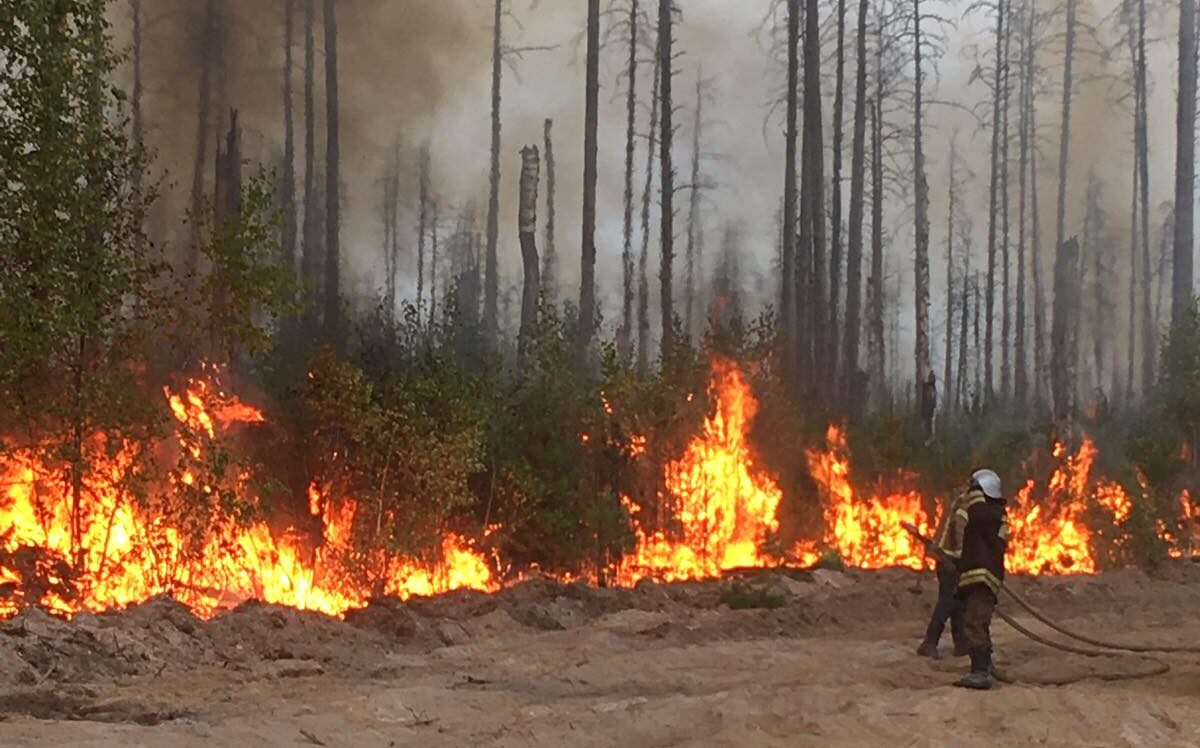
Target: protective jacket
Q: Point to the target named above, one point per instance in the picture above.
(985, 539)
(949, 536)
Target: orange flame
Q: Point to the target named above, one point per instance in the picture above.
(127, 552)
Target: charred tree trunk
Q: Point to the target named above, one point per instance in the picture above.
(643, 301)
(227, 210)
(693, 236)
(310, 261)
(527, 230)
(812, 206)
(787, 299)
(994, 204)
(549, 255)
(1185, 166)
(965, 301)
(1064, 149)
(1065, 330)
(665, 31)
(1021, 380)
(835, 258)
(138, 126)
(422, 225)
(203, 105)
(333, 298)
(433, 262)
(288, 229)
(491, 312)
(1035, 228)
(948, 371)
(921, 262)
(625, 336)
(854, 256)
(876, 355)
(1005, 244)
(587, 275)
(1149, 334)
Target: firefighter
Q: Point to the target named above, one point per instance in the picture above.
(949, 550)
(981, 571)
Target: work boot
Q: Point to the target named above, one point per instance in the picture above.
(929, 649)
(979, 681)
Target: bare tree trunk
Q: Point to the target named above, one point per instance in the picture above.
(1185, 166)
(1149, 334)
(491, 312)
(921, 263)
(1035, 228)
(980, 359)
(1005, 248)
(694, 212)
(643, 311)
(835, 260)
(948, 372)
(1064, 150)
(550, 256)
(333, 267)
(1063, 346)
(527, 230)
(876, 355)
(289, 144)
(138, 127)
(857, 180)
(960, 385)
(203, 105)
(994, 202)
(389, 269)
(667, 175)
(787, 300)
(625, 336)
(311, 259)
(422, 224)
(812, 206)
(1021, 380)
(587, 283)
(433, 262)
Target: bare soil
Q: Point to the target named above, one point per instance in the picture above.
(780, 658)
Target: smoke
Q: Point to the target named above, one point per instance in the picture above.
(420, 71)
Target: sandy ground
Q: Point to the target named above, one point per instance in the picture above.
(545, 665)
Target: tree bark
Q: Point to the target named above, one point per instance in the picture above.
(1149, 348)
(1065, 331)
(625, 336)
(921, 262)
(288, 228)
(643, 311)
(787, 299)
(1064, 150)
(1035, 228)
(667, 176)
(527, 231)
(587, 283)
(693, 237)
(1005, 244)
(549, 255)
(422, 224)
(433, 262)
(876, 353)
(994, 204)
(1021, 380)
(812, 208)
(854, 256)
(491, 312)
(835, 259)
(333, 298)
(310, 260)
(136, 121)
(1185, 167)
(203, 105)
(948, 369)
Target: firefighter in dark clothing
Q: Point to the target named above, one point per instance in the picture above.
(948, 608)
(981, 571)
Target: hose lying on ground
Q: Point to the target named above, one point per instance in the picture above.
(1157, 667)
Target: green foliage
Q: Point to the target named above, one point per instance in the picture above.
(831, 559)
(740, 596)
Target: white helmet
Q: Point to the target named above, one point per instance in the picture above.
(988, 482)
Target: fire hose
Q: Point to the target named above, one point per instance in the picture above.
(1100, 648)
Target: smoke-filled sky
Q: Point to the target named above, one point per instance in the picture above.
(420, 70)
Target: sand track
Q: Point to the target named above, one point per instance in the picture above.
(546, 665)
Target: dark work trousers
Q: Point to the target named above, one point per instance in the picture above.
(948, 608)
(980, 603)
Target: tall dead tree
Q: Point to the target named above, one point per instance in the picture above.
(921, 208)
(876, 353)
(207, 53)
(422, 223)
(1006, 226)
(1065, 332)
(1035, 222)
(787, 301)
(433, 262)
(667, 174)
(1024, 137)
(333, 298)
(1142, 148)
(625, 335)
(549, 255)
(491, 313)
(587, 269)
(227, 212)
(1185, 167)
(527, 231)
(310, 261)
(1064, 148)
(695, 238)
(812, 209)
(994, 202)
(854, 257)
(288, 228)
(835, 218)
(643, 301)
(948, 371)
(136, 121)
